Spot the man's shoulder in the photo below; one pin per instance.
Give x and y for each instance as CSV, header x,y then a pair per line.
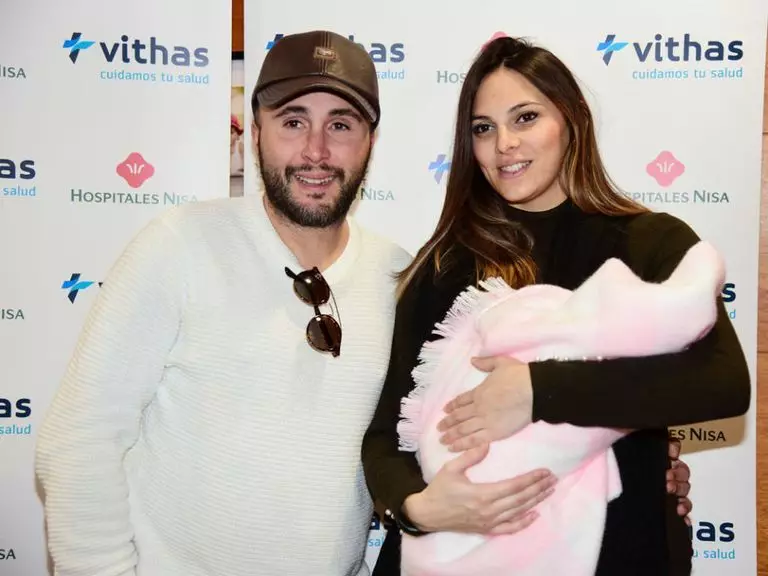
x,y
215,214
209,209
389,253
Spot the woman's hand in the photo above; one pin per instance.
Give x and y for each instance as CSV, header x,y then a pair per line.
x,y
497,408
452,503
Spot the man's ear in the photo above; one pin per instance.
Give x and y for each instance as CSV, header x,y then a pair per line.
x,y
255,139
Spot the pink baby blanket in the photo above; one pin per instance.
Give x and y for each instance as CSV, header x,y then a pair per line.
x,y
612,314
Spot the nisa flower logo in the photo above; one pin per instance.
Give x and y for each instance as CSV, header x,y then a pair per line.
x,y
665,168
135,170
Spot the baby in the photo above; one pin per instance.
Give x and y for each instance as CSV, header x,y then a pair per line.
x,y
612,314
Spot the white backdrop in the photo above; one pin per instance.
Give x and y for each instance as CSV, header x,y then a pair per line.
x,y
97,137
679,112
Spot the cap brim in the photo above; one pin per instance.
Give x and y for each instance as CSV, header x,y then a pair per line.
x,y
279,93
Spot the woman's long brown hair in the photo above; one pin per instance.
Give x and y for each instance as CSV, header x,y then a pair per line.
x,y
473,213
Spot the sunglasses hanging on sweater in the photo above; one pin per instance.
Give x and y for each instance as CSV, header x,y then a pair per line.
x,y
323,332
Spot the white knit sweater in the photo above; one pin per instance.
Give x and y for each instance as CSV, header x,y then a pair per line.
x,y
196,433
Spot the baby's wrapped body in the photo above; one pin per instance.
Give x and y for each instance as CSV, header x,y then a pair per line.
x,y
612,314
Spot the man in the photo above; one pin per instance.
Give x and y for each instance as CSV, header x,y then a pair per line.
x,y
210,420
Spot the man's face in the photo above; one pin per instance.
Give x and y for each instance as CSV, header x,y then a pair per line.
x,y
313,155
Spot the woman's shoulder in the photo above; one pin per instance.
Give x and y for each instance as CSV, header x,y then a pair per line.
x,y
457,267
645,225
656,242
653,226
431,291
646,229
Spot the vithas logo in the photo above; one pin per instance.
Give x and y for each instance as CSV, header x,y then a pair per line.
x,y
728,295
24,169
20,408
136,51
673,49
11,410
728,292
440,166
379,52
712,532
22,172
75,285
609,46
75,44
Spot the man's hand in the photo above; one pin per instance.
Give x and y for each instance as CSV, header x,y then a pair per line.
x,y
678,481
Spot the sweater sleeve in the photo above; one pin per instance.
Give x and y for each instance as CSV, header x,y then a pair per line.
x,y
95,416
393,475
708,381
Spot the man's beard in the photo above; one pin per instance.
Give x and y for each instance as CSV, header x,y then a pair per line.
x,y
278,191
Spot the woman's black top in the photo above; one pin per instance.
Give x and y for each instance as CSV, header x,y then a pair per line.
x,y
710,380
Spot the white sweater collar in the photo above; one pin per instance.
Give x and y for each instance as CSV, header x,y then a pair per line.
x,y
274,249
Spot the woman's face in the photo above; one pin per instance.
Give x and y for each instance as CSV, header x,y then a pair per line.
x,y
519,139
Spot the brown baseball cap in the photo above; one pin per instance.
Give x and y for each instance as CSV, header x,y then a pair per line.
x,y
319,60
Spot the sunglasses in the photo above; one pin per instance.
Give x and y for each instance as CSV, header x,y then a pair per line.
x,y
323,332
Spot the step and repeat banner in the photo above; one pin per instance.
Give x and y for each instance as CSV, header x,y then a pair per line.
x,y
112,113
677,92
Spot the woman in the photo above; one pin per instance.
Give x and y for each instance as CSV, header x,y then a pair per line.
x,y
528,200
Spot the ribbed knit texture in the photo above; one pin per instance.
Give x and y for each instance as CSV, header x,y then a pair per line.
x,y
196,433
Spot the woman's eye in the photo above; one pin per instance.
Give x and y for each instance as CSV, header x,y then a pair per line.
x,y
480,128
526,117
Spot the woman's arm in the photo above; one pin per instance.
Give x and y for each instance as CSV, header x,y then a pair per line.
x,y
392,475
394,478
708,381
